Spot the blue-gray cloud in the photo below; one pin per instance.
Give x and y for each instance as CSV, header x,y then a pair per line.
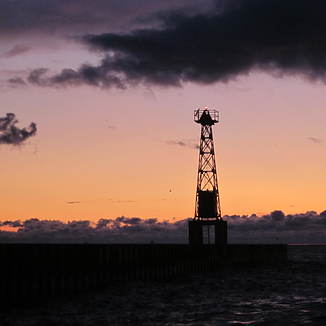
x,y
275,227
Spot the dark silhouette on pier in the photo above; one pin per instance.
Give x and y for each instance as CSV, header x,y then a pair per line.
x,y
207,225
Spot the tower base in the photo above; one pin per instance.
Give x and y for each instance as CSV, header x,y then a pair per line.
x,y
196,230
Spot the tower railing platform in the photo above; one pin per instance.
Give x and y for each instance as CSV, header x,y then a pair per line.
x,y
200,113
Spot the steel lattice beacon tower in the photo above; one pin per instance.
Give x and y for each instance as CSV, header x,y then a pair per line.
x,y
207,227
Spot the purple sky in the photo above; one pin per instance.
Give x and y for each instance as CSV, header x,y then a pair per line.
x,y
112,86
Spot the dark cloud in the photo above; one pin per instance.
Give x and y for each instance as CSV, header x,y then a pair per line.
x,y
16,50
277,216
129,221
239,36
16,81
70,16
36,75
275,227
70,77
12,135
13,224
73,202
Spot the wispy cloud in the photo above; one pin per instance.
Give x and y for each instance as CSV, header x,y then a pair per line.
x,y
16,82
17,50
316,140
189,143
111,200
121,201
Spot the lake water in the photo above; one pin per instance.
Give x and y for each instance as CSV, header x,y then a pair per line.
x,y
290,294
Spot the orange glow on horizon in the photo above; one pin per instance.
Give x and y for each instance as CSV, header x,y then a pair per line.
x,y
101,154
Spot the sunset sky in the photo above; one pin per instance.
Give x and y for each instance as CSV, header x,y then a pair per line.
x,y
102,150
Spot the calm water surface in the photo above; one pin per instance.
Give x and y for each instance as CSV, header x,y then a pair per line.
x,y
292,294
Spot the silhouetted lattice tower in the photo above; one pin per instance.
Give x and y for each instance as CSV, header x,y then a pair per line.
x,y
207,195
207,210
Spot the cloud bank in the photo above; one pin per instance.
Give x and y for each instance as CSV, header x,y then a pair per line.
x,y
119,230
275,227
10,134
239,36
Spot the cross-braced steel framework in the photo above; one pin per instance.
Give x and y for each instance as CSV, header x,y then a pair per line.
x,y
207,193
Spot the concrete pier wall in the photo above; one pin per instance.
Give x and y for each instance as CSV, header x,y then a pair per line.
x,y
37,272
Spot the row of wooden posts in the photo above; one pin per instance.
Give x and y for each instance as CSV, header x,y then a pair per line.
x,y
37,272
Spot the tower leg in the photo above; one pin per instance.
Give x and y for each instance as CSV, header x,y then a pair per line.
x,y
196,228
221,233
